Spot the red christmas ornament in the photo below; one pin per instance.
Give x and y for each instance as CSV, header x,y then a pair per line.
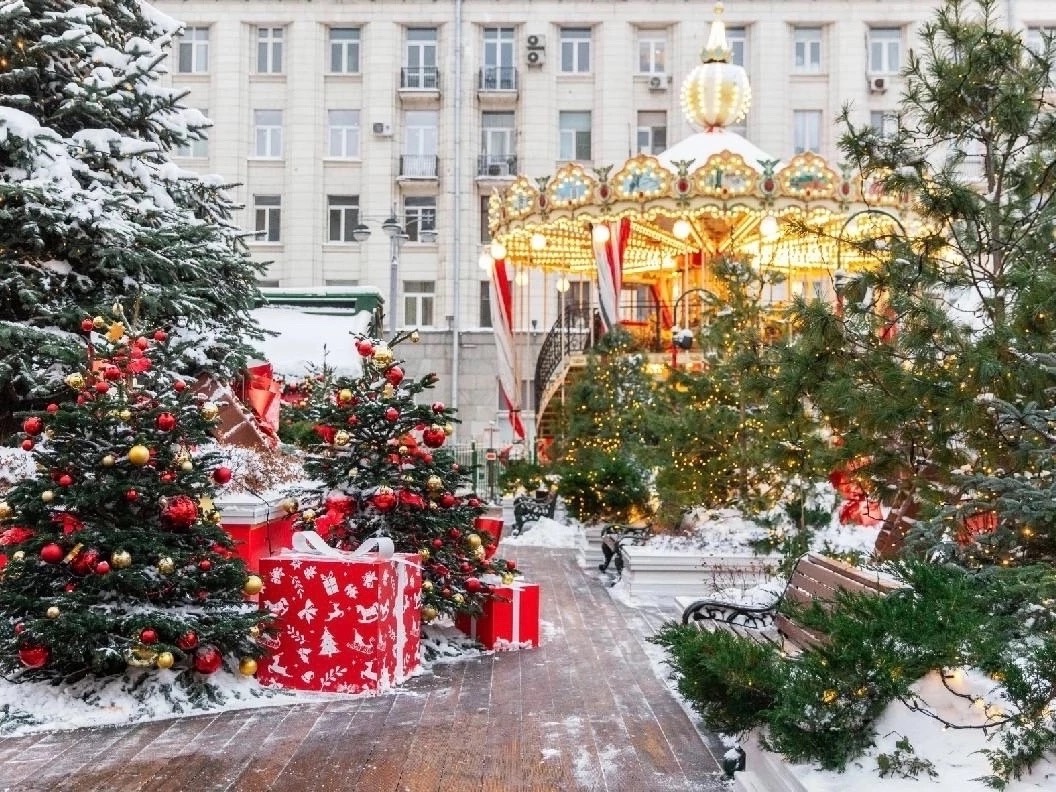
x,y
392,415
352,420
434,436
473,585
454,533
84,562
167,478
52,408
339,504
101,387
52,553
438,407
160,336
87,325
32,425
188,641
179,513
27,445
511,564
473,503
364,347
112,373
166,422
148,635
70,523
65,480
141,343
384,499
70,587
222,475
411,499
179,386
207,660
33,656
102,568
447,500
438,543
131,496
394,374
205,565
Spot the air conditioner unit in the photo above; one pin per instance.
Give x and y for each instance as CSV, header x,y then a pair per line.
x,y
536,41
658,82
877,84
381,129
535,57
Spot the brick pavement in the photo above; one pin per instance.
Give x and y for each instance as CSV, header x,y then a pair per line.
x,y
585,711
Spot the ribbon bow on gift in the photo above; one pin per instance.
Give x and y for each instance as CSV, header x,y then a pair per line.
x,y
313,544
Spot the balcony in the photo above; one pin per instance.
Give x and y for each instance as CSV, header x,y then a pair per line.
x,y
419,85
419,167
497,86
500,167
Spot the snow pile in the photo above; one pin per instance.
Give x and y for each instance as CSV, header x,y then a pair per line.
x,y
548,533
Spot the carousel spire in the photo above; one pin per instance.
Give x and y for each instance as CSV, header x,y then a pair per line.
x,y
716,93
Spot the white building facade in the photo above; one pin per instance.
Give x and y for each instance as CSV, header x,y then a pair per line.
x,y
332,116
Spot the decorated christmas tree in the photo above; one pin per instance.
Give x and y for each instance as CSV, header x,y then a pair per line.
x,y
113,557
94,210
384,470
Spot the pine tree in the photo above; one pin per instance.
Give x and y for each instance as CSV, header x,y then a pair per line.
x,y
114,557
385,472
92,210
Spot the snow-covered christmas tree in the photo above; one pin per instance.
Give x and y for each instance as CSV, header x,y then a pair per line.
x,y
92,210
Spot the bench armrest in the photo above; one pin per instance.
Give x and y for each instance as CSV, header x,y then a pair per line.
x,y
754,617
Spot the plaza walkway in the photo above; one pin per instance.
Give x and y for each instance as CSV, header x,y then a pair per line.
x,y
585,711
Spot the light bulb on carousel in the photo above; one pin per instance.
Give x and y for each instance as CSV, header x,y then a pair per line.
x,y
768,227
600,234
485,261
538,241
497,250
681,228
717,92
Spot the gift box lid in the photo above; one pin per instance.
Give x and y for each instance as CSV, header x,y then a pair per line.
x,y
242,507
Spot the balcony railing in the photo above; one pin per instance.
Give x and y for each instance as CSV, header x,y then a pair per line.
x,y
420,78
497,78
419,166
496,165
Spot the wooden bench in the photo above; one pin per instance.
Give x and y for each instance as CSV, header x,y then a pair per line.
x,y
527,509
815,578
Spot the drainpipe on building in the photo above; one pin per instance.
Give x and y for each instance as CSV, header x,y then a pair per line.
x,y
456,244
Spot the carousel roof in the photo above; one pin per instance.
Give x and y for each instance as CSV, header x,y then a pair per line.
x,y
701,147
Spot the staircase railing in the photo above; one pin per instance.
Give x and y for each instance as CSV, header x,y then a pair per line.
x,y
574,332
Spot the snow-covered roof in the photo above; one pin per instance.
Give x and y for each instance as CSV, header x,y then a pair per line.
x,y
306,340
701,146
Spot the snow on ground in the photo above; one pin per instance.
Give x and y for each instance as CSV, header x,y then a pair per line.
x,y
547,533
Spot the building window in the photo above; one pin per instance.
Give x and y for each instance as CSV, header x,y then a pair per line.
x,y
806,50
421,71
342,131
574,135
196,149
737,38
499,71
884,122
485,232
344,50
496,143
193,52
342,213
485,303
578,296
652,52
806,133
652,131
575,50
419,298
267,134
885,50
420,145
419,214
269,50
267,211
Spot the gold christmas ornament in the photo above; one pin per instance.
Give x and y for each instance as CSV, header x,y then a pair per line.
x,y
253,585
109,460
308,515
164,660
829,696
289,505
402,450
415,337
480,552
125,415
166,565
98,323
507,578
5,510
457,598
18,555
247,666
344,395
75,381
341,438
388,391
120,559
139,455
52,612
382,355
428,613
214,517
186,466
254,631
434,483
47,496
140,656
210,411
473,540
449,429
427,585
424,553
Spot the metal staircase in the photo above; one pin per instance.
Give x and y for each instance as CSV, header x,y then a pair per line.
x,y
564,347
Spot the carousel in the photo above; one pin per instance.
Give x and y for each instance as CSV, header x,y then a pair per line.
x,y
648,231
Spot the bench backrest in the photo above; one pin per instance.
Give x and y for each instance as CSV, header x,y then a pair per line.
x,y
818,578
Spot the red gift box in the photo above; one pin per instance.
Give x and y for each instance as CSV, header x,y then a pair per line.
x,y
346,622
257,527
510,621
492,526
